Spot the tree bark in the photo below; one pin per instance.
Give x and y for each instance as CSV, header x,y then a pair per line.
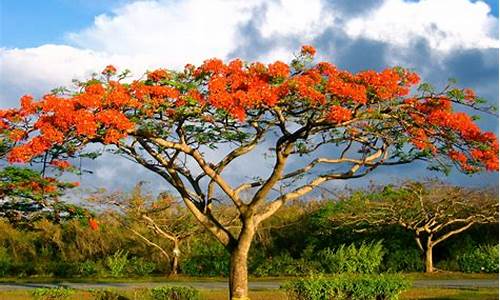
x,y
175,259
428,260
238,268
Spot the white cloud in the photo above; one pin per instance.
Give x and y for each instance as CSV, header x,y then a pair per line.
x,y
306,19
38,70
171,33
445,24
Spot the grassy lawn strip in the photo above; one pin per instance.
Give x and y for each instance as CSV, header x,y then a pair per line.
x,y
452,294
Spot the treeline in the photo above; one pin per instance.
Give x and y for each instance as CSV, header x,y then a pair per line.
x,y
141,235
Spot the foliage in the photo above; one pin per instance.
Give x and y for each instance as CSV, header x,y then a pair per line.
x,y
90,268
52,293
107,294
403,259
27,196
175,293
208,258
5,262
285,265
140,266
483,258
348,286
117,263
366,258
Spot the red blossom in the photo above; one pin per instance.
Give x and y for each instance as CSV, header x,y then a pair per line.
x,y
308,50
339,114
94,224
61,164
109,70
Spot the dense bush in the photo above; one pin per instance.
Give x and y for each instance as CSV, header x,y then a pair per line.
x,y
348,286
207,258
403,260
140,266
52,293
351,259
5,262
483,258
90,268
117,263
285,265
107,294
175,293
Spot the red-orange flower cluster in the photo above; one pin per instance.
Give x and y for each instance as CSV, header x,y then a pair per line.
x,y
339,114
61,164
94,225
109,70
107,111
308,50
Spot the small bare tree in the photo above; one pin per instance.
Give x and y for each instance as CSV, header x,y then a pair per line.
x,y
153,220
433,211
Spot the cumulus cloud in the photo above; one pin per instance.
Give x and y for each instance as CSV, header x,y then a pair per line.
x,y
169,32
296,17
444,24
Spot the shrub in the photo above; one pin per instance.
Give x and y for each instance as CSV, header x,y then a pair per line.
x,y
480,259
285,264
62,269
175,293
404,260
117,263
5,262
107,294
52,293
365,259
88,268
209,258
348,286
139,266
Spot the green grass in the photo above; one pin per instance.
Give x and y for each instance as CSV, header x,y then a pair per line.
x,y
449,275
452,294
413,294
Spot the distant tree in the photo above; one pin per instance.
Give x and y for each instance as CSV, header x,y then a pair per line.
x,y
27,196
432,211
190,126
153,220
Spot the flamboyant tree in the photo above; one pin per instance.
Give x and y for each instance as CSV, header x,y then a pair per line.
x,y
27,195
432,211
190,126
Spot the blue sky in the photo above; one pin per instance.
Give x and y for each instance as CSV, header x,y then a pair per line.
x,y
30,23
44,44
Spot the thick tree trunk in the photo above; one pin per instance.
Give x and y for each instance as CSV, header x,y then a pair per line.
x,y
238,269
428,260
175,259
238,275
